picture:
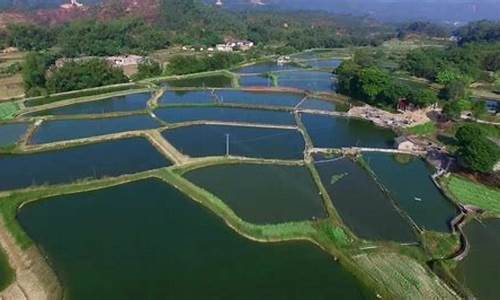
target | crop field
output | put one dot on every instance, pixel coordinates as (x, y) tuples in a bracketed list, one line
[(405, 275), (7, 110)]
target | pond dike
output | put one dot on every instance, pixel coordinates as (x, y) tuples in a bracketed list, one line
[(34, 278)]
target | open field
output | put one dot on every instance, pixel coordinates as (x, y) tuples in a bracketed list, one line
[(8, 110), (402, 274), (470, 193), (428, 128), (11, 87)]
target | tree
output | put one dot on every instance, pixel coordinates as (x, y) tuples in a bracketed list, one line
[(148, 68), (467, 133), (422, 97), (33, 72), (29, 37), (480, 155), (454, 90), (83, 75), (347, 73), (452, 110), (478, 109), (373, 82)]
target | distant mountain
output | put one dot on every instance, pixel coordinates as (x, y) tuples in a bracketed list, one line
[(390, 10)]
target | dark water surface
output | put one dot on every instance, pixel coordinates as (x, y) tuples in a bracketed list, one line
[(263, 193), (206, 140), (125, 103), (67, 165), (337, 132), (145, 240), (10, 134), (61, 130), (361, 203), (225, 114), (410, 185), (480, 270)]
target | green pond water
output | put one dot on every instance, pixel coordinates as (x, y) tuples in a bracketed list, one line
[(217, 81), (243, 141), (11, 133), (410, 185), (259, 98), (338, 132), (124, 103), (224, 114), (145, 240), (480, 270), (361, 203), (60, 130), (68, 165), (263, 193)]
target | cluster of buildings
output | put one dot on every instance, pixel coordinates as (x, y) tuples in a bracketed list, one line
[(228, 46), (117, 61)]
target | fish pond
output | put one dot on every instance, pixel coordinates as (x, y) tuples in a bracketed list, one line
[(255, 80), (61, 130), (147, 240), (11, 133), (188, 97), (209, 140), (131, 102), (317, 104), (408, 180), (259, 98), (360, 201), (307, 80), (263, 194), (480, 270), (215, 81), (338, 132), (323, 63), (266, 67), (89, 161), (224, 114)]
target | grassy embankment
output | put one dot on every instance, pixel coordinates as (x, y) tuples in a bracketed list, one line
[(6, 273), (468, 192)]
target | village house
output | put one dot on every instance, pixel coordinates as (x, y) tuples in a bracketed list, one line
[(405, 144), (234, 45), (117, 61)]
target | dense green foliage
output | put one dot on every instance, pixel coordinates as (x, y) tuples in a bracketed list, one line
[(111, 38), (190, 64), (377, 86), (480, 31), (28, 37), (464, 63), (84, 75), (147, 69), (422, 28), (476, 151), (33, 72)]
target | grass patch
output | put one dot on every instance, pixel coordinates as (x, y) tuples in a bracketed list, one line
[(6, 272), (8, 110), (440, 245), (471, 193), (428, 128)]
